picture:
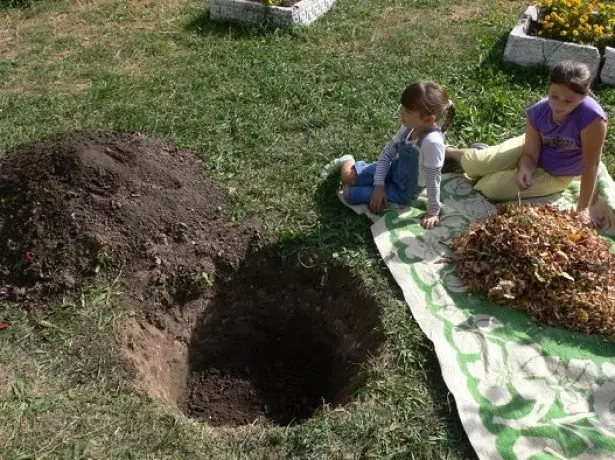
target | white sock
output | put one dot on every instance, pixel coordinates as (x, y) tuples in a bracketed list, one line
[(343, 158)]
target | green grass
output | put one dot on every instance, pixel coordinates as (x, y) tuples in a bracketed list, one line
[(267, 109)]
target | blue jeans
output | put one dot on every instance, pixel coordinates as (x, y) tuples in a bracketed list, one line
[(361, 191)]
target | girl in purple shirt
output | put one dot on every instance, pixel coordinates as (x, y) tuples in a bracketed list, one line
[(564, 137)]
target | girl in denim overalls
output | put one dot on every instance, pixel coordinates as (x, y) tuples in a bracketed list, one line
[(412, 160)]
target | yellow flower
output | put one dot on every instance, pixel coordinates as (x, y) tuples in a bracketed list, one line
[(584, 21)]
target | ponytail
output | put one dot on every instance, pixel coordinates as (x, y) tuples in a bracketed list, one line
[(449, 116)]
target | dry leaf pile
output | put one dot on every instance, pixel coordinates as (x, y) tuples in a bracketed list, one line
[(544, 261)]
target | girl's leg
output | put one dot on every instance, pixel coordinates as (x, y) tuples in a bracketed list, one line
[(348, 173), (357, 194), (358, 179), (346, 192), (454, 153), (502, 185), (357, 173), (481, 162), (362, 194)]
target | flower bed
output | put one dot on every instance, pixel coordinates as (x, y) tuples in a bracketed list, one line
[(528, 42), (253, 13), (526, 49), (588, 22)]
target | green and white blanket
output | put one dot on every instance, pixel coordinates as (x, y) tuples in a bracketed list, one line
[(522, 390)]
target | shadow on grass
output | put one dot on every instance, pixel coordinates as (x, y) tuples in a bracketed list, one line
[(449, 412), (533, 76), (6, 4), (339, 231)]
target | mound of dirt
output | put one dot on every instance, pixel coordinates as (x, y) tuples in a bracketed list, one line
[(101, 204)]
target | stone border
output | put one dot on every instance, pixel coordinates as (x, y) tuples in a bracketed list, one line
[(252, 13), (607, 75), (525, 50)]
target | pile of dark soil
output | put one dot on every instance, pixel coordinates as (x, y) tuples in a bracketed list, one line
[(544, 261), (100, 203)]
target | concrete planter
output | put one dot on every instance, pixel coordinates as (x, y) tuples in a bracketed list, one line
[(254, 13), (607, 75), (525, 49)]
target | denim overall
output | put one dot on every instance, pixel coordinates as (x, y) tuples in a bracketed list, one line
[(401, 182)]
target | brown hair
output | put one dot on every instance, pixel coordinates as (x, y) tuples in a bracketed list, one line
[(429, 98), (574, 74)]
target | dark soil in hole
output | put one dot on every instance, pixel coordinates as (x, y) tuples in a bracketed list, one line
[(279, 341)]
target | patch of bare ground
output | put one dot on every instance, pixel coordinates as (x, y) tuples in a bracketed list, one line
[(222, 329)]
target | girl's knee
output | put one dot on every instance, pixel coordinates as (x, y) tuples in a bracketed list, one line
[(348, 173), (501, 186)]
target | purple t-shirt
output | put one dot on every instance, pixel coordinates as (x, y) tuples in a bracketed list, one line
[(560, 154)]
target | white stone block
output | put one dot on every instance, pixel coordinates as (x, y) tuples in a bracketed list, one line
[(247, 12), (526, 50), (607, 75)]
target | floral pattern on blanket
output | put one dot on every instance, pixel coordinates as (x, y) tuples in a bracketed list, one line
[(523, 390)]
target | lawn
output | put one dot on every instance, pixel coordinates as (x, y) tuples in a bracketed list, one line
[(266, 109)]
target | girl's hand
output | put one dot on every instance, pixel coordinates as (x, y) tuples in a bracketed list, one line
[(524, 179), (589, 218), (428, 221), (378, 200)]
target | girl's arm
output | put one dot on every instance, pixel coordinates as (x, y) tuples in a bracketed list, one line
[(433, 177), (592, 141), (384, 162), (529, 157), (378, 199), (433, 151), (386, 156)]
